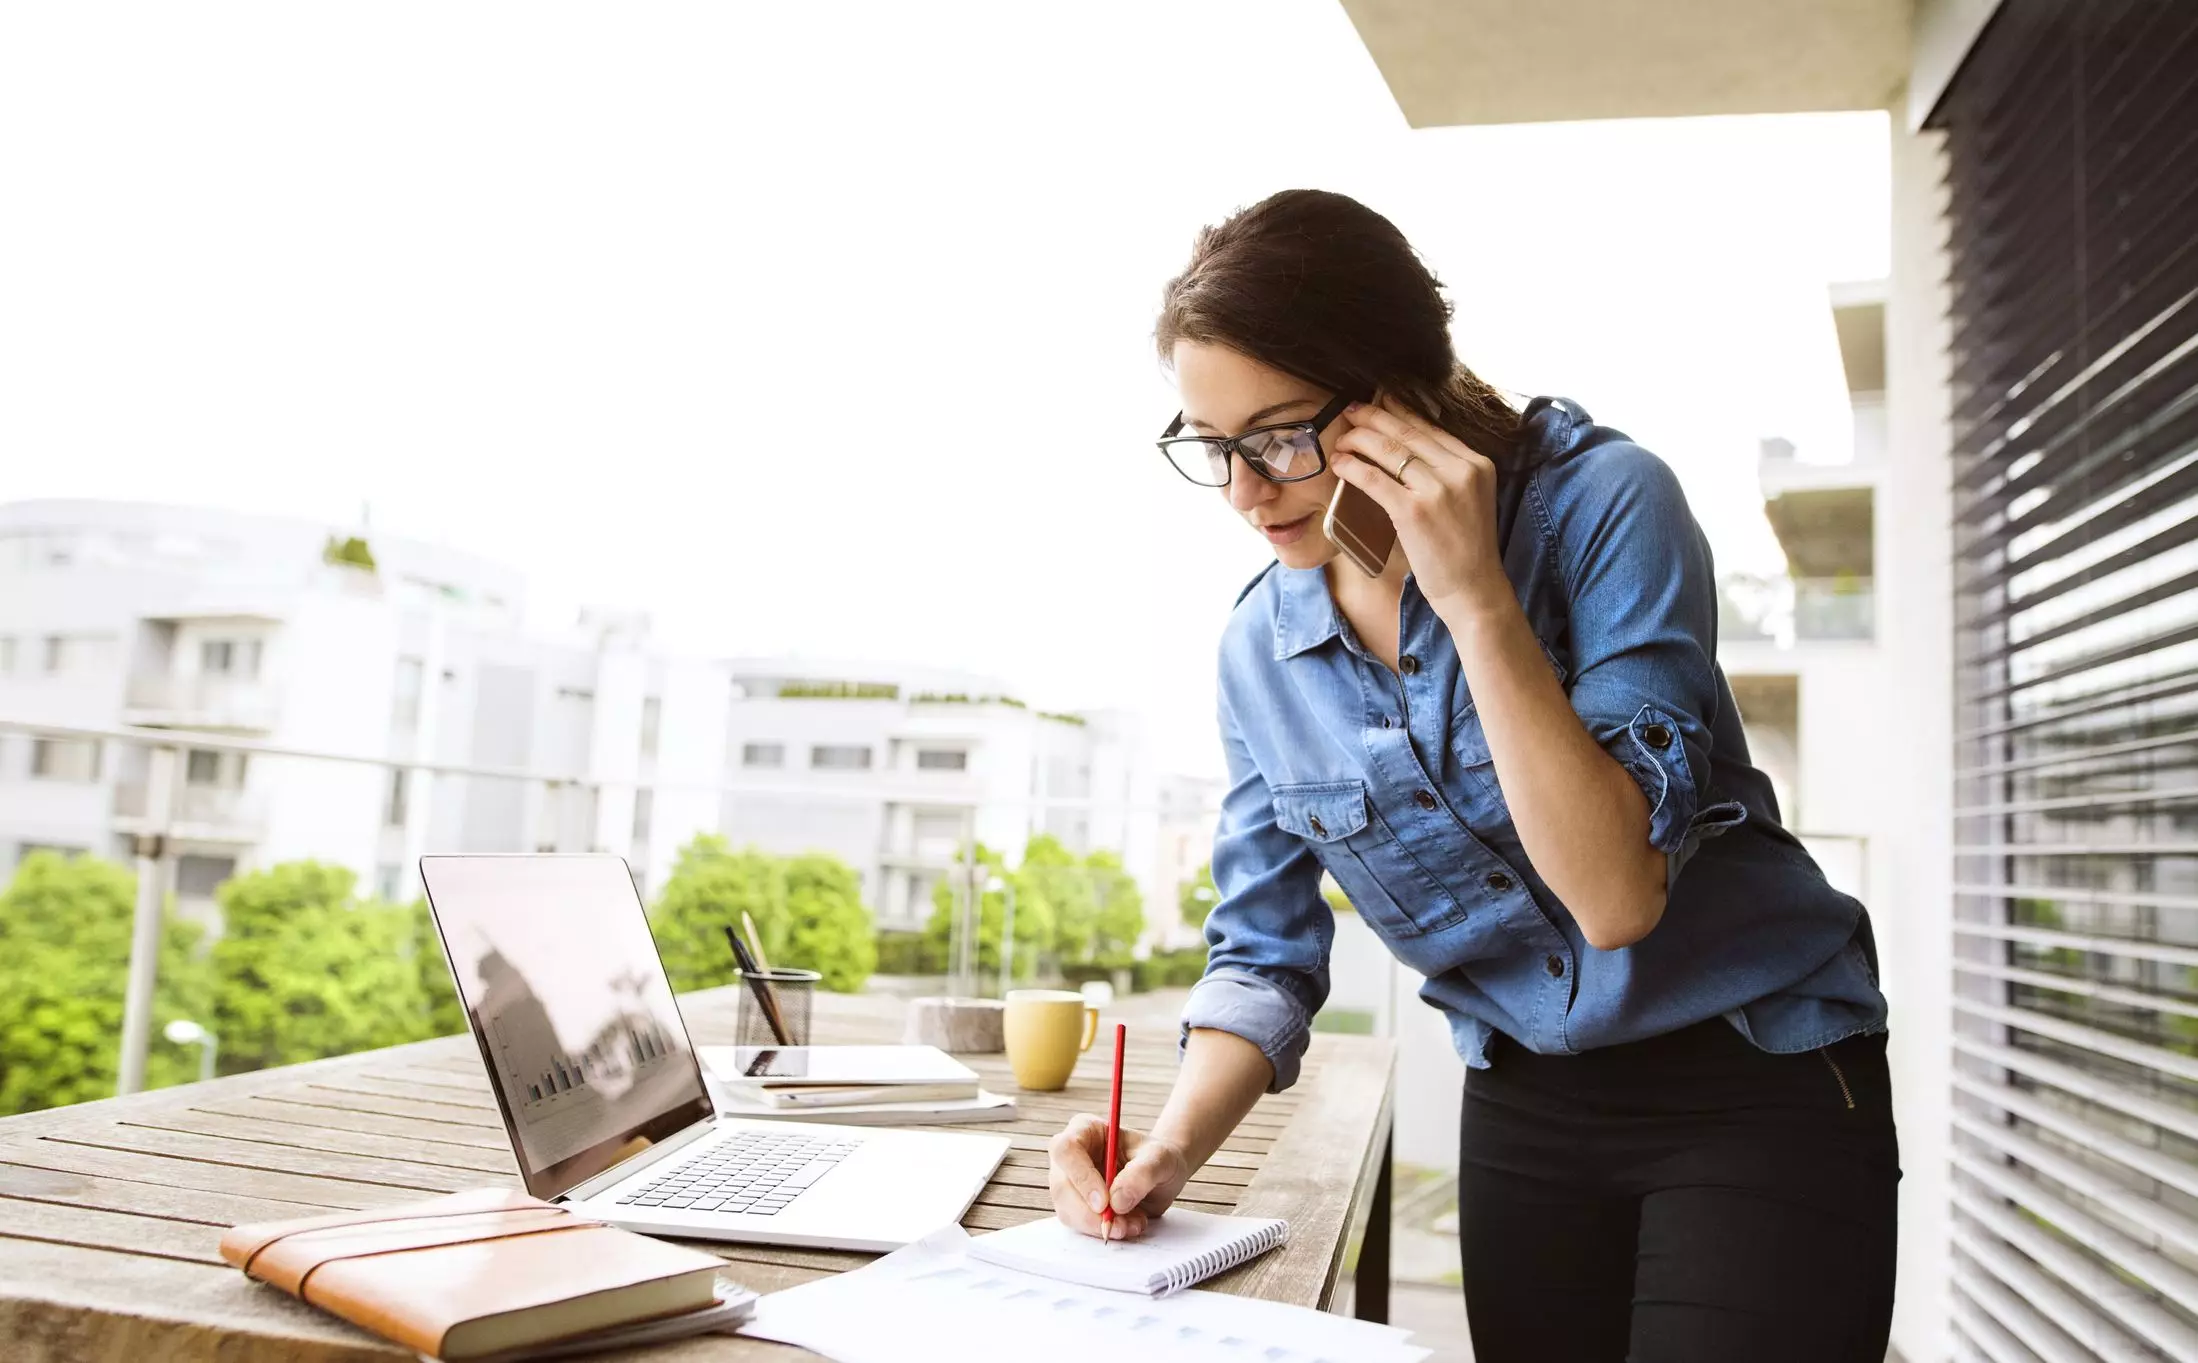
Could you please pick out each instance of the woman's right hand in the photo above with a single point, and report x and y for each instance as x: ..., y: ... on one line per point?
x: 1150, y: 1173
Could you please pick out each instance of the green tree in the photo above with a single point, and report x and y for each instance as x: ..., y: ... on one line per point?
x: 445, y: 1015
x: 352, y: 551
x: 1051, y: 874
x: 827, y: 928
x: 65, y: 925
x: 1197, y: 898
x: 808, y: 908
x: 710, y: 886
x: 1034, y: 921
x: 1120, y: 917
x: 305, y: 968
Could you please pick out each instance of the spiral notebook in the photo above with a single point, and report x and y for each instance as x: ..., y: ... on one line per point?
x: 1176, y: 1250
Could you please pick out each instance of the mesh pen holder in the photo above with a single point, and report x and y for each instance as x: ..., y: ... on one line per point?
x: 790, y: 993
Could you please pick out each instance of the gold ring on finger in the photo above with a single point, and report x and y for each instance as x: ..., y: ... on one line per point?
x: 1404, y: 464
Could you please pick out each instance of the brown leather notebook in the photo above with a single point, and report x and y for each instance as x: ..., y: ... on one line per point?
x: 475, y: 1273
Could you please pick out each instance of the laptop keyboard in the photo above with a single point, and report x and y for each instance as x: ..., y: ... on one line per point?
x: 756, y: 1173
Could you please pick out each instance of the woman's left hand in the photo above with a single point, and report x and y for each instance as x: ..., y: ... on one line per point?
x: 1444, y: 506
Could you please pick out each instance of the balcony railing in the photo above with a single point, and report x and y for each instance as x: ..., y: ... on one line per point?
x: 1835, y: 608
x: 206, y: 701
x: 1783, y: 610
x: 201, y: 813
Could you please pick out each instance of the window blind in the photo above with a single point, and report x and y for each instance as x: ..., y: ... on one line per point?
x: 2072, y: 238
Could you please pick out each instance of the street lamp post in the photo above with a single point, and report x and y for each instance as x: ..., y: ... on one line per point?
x: 968, y: 959
x: 1007, y: 933
x: 184, y: 1032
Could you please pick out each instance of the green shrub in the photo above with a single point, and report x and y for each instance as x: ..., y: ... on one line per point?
x: 963, y: 698
x: 1035, y: 912
x: 1118, y: 915
x: 352, y: 551
x: 1070, y: 911
x: 1169, y: 969
x: 808, y: 908
x: 445, y: 1015
x: 909, y: 953
x: 827, y: 929
x: 838, y: 690
x: 710, y: 887
x: 1197, y: 898
x: 65, y: 926
x: 1349, y: 1021
x: 305, y: 969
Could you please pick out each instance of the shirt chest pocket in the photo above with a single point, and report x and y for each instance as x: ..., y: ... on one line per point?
x: 1476, y: 766
x: 1388, y: 886
x: 1485, y: 808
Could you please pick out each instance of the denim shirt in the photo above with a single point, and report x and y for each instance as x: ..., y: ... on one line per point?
x: 1384, y: 780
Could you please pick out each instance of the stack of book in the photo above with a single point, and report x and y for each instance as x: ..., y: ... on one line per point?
x: 850, y: 1085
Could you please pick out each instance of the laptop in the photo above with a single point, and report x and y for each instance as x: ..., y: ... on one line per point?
x: 604, y: 1101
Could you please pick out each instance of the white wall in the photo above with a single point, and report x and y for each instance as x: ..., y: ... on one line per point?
x: 614, y: 754
x: 690, y: 752
x: 332, y: 663
x: 1916, y: 623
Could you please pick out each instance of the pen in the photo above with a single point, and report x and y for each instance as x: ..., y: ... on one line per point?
x: 755, y: 941
x: 1114, y: 1133
x: 756, y: 986
x: 763, y: 967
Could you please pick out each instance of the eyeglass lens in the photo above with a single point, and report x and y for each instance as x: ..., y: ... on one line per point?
x: 1283, y: 453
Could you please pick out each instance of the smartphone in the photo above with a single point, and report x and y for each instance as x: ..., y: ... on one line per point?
x: 1357, y: 525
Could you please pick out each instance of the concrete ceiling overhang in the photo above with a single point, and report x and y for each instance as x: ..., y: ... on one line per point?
x: 1536, y: 61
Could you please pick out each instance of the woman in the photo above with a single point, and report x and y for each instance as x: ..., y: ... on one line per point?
x: 1514, y: 751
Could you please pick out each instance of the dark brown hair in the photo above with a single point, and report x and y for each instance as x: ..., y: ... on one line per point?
x: 1322, y: 287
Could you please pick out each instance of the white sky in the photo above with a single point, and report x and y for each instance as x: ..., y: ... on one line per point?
x: 825, y: 328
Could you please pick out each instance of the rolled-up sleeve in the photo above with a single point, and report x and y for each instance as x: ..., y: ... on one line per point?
x: 1268, y: 936
x: 1643, y: 617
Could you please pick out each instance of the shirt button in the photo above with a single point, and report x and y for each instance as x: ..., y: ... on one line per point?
x: 1408, y: 664
x: 1556, y: 965
x: 1425, y: 799
x: 1656, y: 736
x: 1498, y: 881
x: 1318, y: 830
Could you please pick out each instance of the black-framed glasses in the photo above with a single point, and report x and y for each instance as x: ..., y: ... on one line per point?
x: 1286, y: 452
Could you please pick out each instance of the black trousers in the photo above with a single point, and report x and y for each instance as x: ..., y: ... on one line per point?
x: 1686, y: 1199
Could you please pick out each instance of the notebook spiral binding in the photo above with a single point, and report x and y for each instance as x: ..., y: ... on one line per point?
x: 1228, y: 1256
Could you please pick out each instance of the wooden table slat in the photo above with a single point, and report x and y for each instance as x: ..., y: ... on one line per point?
x: 247, y: 1130
x: 138, y: 1198
x: 313, y: 1109
x: 94, y: 1228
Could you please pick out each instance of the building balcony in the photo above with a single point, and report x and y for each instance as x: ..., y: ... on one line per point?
x: 217, y: 814
x: 1835, y: 608
x: 222, y: 704
x: 1783, y: 611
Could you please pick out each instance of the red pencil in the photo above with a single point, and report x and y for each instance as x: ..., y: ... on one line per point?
x: 1114, y: 1133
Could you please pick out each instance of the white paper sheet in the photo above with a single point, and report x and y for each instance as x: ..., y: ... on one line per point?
x: 931, y: 1301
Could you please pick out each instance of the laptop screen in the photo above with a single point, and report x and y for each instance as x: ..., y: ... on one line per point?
x: 567, y: 997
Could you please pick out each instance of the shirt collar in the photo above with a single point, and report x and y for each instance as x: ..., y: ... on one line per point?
x: 1548, y: 426
x: 1305, y: 613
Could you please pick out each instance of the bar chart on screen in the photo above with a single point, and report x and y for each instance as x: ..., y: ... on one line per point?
x: 621, y: 1055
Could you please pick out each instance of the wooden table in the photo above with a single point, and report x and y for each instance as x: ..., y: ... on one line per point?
x: 110, y: 1211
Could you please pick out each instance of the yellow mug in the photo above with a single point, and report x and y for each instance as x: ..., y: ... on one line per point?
x: 1046, y: 1030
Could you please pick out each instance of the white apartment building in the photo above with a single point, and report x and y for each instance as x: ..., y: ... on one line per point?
x: 1803, y: 651
x: 356, y: 691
